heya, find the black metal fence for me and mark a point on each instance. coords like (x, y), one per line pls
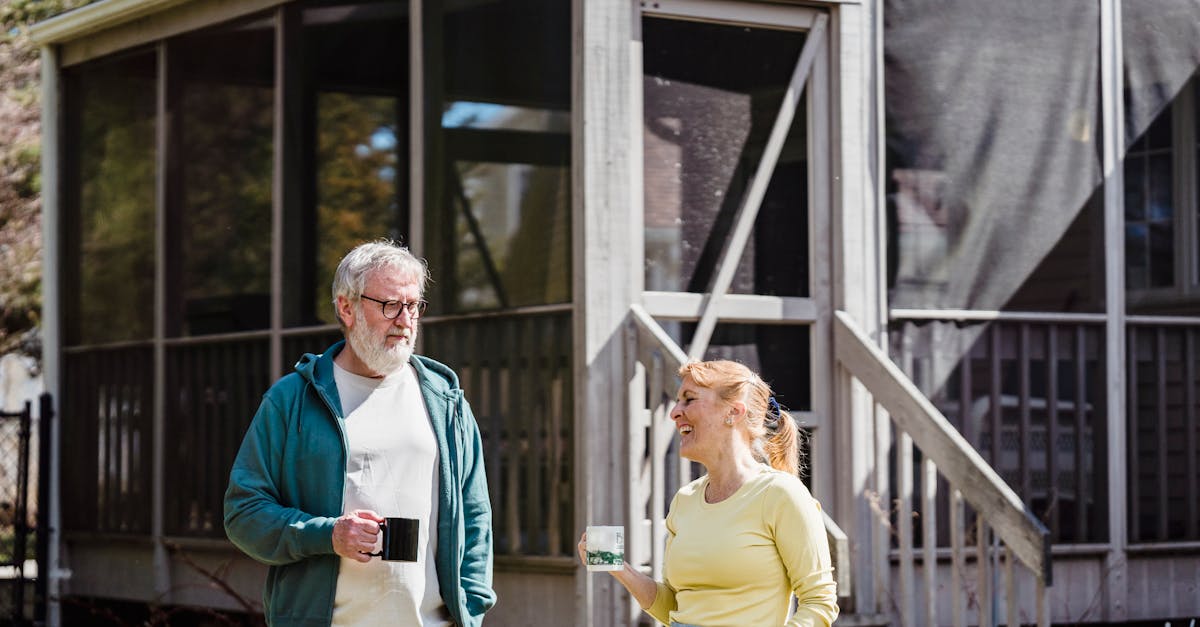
(16, 524)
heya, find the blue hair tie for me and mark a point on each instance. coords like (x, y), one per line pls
(774, 414)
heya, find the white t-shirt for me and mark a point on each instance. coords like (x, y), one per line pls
(391, 469)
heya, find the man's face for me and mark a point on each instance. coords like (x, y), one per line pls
(383, 345)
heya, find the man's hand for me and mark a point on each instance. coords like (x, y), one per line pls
(354, 534)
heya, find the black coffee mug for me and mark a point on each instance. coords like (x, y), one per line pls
(399, 539)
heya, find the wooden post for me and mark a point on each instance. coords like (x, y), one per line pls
(856, 249)
(1111, 98)
(52, 318)
(607, 269)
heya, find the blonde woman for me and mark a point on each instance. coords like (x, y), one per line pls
(746, 537)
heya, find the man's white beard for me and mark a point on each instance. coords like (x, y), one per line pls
(374, 351)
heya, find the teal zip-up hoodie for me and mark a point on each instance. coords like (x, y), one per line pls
(285, 492)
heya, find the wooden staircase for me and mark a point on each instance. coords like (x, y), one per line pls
(1005, 533)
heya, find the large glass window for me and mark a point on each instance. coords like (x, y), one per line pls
(222, 92)
(497, 227)
(111, 169)
(354, 186)
(708, 112)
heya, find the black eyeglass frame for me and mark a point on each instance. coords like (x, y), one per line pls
(400, 306)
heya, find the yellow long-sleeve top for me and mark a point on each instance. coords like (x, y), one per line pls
(736, 563)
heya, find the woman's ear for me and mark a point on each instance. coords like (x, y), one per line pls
(738, 409)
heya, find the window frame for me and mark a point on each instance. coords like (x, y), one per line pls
(1184, 294)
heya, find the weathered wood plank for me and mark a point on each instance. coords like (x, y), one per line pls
(929, 480)
(904, 515)
(1012, 618)
(956, 557)
(983, 571)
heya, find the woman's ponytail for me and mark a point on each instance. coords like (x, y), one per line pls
(782, 441)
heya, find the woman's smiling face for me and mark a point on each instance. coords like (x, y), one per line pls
(699, 416)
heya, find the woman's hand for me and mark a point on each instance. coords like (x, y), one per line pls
(643, 588)
(583, 548)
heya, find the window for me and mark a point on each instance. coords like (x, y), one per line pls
(497, 226)
(111, 121)
(708, 113)
(1162, 216)
(354, 184)
(220, 179)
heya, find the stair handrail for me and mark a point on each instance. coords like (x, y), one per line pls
(940, 441)
(651, 335)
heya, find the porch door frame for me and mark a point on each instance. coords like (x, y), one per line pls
(813, 311)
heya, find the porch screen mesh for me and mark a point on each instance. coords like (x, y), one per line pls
(993, 121)
(994, 145)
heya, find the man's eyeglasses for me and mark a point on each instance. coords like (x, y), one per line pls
(391, 308)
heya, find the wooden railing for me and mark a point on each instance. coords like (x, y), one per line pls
(516, 370)
(1164, 425)
(1029, 395)
(656, 469)
(107, 426)
(213, 389)
(971, 480)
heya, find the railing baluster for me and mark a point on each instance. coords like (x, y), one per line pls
(983, 572)
(658, 433)
(929, 540)
(1135, 532)
(904, 489)
(957, 550)
(1012, 618)
(1189, 408)
(509, 340)
(1082, 418)
(882, 529)
(996, 412)
(1160, 424)
(1040, 598)
(1024, 442)
(1052, 430)
(535, 421)
(548, 377)
(904, 507)
(966, 418)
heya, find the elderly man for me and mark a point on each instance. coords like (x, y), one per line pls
(364, 431)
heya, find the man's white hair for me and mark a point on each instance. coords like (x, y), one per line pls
(351, 277)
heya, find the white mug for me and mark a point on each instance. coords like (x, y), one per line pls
(605, 547)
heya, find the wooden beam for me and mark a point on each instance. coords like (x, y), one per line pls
(52, 210)
(607, 276)
(739, 308)
(88, 36)
(1113, 151)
